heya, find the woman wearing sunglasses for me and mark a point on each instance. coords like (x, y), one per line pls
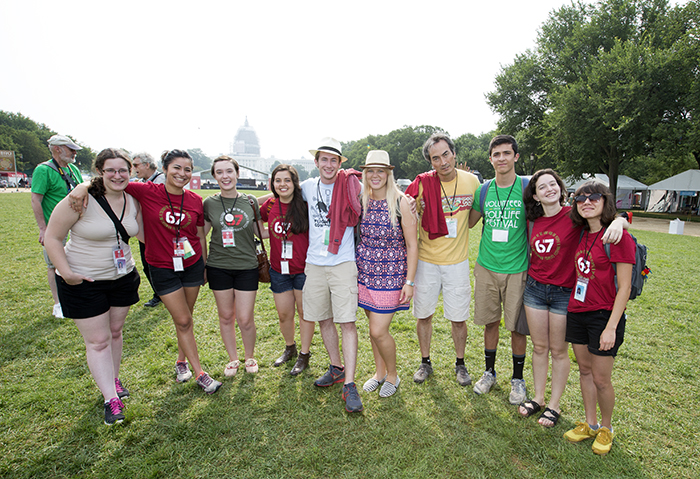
(596, 313)
(553, 242)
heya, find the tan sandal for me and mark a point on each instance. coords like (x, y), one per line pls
(232, 368)
(251, 366)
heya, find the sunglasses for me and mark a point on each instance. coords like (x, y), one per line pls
(592, 198)
(322, 206)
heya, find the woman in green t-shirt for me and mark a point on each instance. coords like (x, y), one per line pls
(232, 265)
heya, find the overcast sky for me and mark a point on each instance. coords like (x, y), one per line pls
(152, 75)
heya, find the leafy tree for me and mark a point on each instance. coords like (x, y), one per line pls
(199, 159)
(606, 83)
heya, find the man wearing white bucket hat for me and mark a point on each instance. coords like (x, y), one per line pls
(52, 180)
(444, 196)
(330, 291)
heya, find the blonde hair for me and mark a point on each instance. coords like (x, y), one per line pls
(393, 195)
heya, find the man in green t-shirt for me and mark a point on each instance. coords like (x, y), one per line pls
(501, 267)
(51, 182)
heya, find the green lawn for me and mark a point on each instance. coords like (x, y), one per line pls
(272, 425)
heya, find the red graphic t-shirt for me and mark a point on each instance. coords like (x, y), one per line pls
(552, 246)
(593, 265)
(162, 216)
(270, 211)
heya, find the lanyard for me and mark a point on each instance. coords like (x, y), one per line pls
(284, 223)
(587, 253)
(179, 218)
(454, 194)
(228, 215)
(120, 219)
(503, 208)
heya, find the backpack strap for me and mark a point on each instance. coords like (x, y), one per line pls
(70, 182)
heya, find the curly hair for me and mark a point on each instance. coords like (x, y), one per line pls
(97, 186)
(533, 208)
(609, 210)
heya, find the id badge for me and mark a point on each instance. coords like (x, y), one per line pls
(287, 250)
(326, 236)
(179, 247)
(227, 238)
(499, 236)
(189, 250)
(284, 266)
(581, 288)
(177, 264)
(451, 227)
(119, 259)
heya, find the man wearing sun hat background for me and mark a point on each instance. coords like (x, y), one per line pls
(51, 182)
(330, 291)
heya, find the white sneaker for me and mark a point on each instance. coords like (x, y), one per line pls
(518, 391)
(57, 311)
(484, 385)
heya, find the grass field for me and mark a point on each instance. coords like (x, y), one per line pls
(272, 425)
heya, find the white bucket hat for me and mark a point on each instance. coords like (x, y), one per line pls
(330, 145)
(377, 159)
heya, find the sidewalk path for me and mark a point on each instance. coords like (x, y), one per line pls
(661, 226)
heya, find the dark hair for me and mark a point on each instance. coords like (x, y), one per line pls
(225, 158)
(297, 215)
(169, 155)
(97, 186)
(533, 209)
(436, 138)
(609, 210)
(502, 139)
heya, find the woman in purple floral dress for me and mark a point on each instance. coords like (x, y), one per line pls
(386, 264)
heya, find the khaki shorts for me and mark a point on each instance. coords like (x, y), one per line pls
(331, 292)
(493, 289)
(452, 280)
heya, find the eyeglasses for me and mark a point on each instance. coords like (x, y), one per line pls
(592, 198)
(111, 171)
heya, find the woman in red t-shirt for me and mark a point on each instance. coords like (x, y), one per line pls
(596, 318)
(553, 241)
(288, 225)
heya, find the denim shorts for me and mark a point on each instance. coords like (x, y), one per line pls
(281, 283)
(546, 296)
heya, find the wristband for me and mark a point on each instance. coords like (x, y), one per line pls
(410, 283)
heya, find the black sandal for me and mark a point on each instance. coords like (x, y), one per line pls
(531, 407)
(549, 415)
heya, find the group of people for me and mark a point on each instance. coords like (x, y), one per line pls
(347, 239)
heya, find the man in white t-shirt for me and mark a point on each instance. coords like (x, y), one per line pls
(330, 291)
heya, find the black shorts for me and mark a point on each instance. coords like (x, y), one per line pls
(166, 281)
(586, 328)
(223, 279)
(90, 299)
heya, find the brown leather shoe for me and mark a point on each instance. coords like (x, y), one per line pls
(290, 352)
(301, 364)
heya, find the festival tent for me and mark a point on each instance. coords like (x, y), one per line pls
(630, 192)
(676, 194)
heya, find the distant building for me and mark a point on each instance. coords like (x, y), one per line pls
(246, 150)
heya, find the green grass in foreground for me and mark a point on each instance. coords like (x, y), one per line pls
(273, 425)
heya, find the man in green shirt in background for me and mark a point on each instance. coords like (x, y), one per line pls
(51, 182)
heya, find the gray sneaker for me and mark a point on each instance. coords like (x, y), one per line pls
(183, 372)
(424, 370)
(209, 385)
(518, 391)
(484, 385)
(463, 377)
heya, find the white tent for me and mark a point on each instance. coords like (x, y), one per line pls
(677, 193)
(627, 189)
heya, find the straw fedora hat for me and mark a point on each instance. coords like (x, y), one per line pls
(377, 159)
(329, 145)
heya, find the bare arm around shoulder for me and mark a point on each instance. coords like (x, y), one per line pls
(62, 220)
(613, 234)
(409, 226)
(624, 286)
